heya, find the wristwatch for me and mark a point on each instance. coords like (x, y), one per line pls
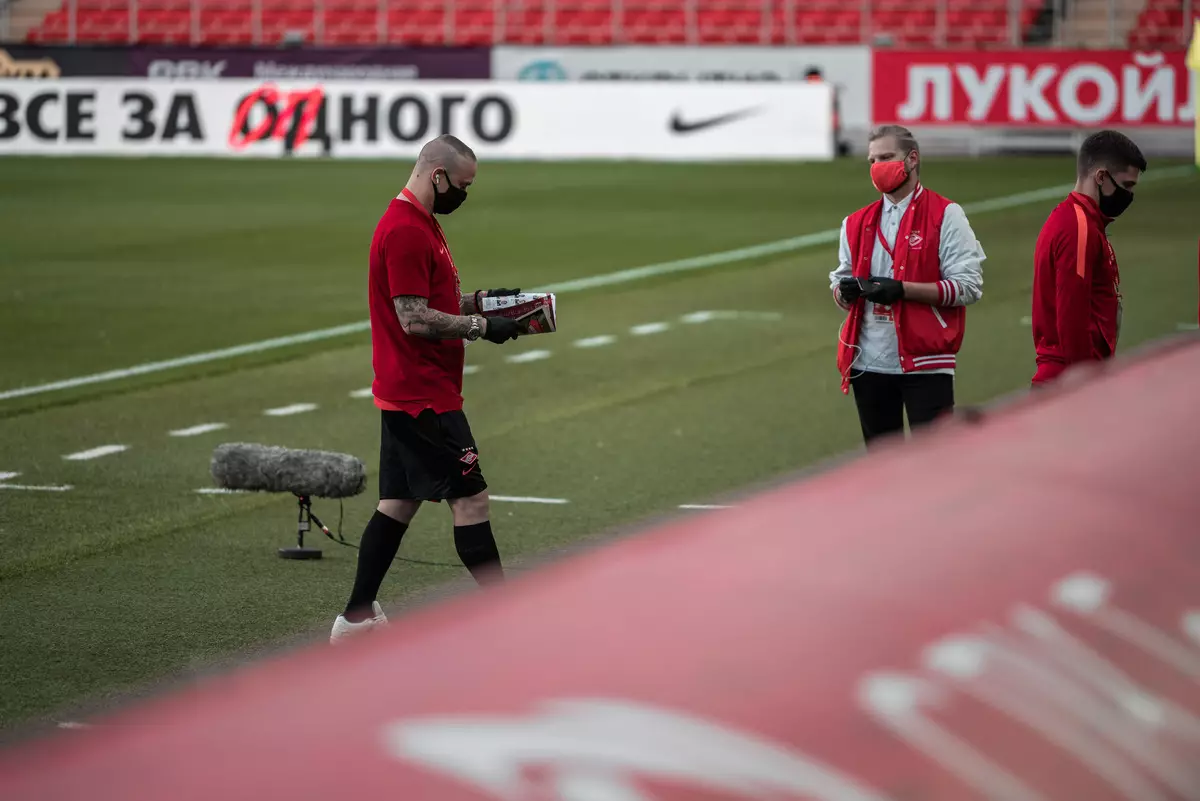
(475, 330)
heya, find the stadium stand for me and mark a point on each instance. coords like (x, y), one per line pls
(1149, 24)
(1159, 24)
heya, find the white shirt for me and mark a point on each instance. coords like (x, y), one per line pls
(960, 256)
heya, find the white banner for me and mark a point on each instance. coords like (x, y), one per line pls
(353, 119)
(847, 68)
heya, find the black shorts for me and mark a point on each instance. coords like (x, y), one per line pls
(430, 457)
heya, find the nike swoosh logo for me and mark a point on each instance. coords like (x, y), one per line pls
(680, 127)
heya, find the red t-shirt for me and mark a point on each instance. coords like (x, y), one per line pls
(410, 256)
(1076, 289)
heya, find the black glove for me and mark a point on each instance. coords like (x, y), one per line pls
(492, 293)
(884, 291)
(850, 289)
(502, 329)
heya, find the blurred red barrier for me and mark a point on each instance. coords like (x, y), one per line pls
(1006, 610)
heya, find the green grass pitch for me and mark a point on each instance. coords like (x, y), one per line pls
(131, 576)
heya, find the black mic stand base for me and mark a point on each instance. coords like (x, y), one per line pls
(299, 551)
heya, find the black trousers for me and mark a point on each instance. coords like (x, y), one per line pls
(882, 399)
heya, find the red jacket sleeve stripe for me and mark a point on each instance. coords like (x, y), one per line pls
(1081, 242)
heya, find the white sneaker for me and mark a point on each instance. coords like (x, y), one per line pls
(343, 628)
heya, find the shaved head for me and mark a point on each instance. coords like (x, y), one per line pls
(448, 152)
(445, 169)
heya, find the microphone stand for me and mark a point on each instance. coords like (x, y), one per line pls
(306, 517)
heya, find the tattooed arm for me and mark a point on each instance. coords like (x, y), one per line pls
(468, 304)
(419, 320)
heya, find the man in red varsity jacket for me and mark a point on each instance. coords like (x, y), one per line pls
(909, 264)
(1076, 285)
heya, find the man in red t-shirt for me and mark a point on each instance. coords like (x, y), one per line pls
(1076, 284)
(419, 319)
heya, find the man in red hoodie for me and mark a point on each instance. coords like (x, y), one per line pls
(1076, 285)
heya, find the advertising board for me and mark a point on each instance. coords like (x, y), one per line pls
(1033, 88)
(393, 119)
(193, 63)
(847, 68)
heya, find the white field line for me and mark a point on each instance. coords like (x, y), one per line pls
(203, 428)
(7, 476)
(71, 724)
(596, 341)
(195, 358)
(1027, 320)
(645, 329)
(295, 408)
(527, 499)
(37, 488)
(365, 392)
(698, 506)
(577, 285)
(219, 491)
(470, 369)
(1188, 326)
(95, 453)
(528, 356)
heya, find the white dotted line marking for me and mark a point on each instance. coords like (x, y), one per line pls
(646, 329)
(193, 431)
(219, 491)
(600, 340)
(95, 453)
(699, 317)
(709, 316)
(702, 506)
(595, 342)
(7, 476)
(528, 356)
(295, 408)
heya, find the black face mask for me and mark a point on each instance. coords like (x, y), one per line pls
(446, 202)
(1112, 205)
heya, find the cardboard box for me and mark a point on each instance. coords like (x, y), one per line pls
(536, 311)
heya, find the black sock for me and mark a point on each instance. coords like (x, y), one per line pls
(477, 549)
(380, 541)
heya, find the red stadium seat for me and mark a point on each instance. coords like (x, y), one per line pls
(474, 22)
(1161, 25)
(352, 22)
(582, 22)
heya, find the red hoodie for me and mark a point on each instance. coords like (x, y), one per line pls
(1076, 289)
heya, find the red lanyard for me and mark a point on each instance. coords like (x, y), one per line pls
(879, 228)
(882, 241)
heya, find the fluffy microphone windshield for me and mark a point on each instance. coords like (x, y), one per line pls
(267, 468)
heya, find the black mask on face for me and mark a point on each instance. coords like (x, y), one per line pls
(446, 202)
(1111, 205)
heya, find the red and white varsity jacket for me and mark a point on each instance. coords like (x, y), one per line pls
(928, 336)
